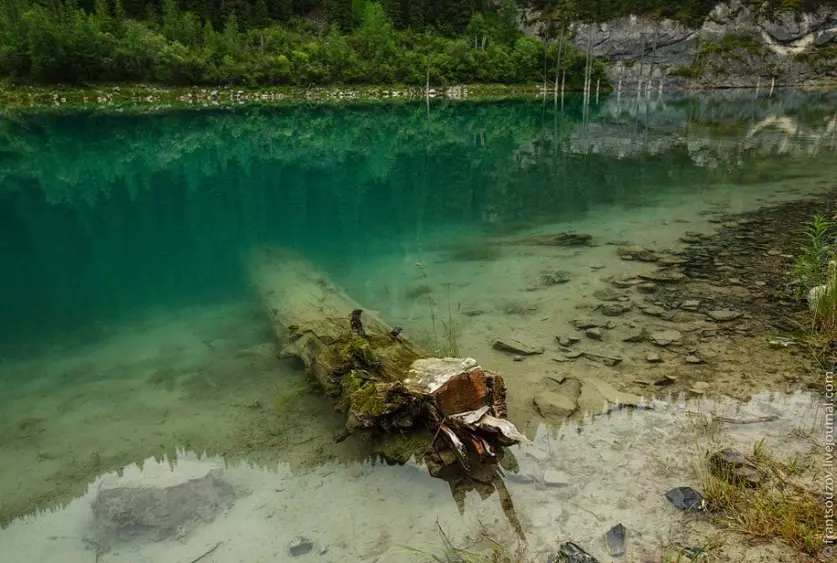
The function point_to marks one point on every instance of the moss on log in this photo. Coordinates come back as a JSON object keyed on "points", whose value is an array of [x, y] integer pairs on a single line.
{"points": [[434, 409]]}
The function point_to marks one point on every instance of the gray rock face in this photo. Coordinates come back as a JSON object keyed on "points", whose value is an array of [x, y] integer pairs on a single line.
{"points": [[642, 50], [158, 502]]}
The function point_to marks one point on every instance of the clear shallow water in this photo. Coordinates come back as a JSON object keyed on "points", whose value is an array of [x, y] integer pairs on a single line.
{"points": [[129, 331]]}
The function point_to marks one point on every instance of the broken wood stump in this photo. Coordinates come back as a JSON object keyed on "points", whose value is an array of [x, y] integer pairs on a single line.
{"points": [[439, 410]]}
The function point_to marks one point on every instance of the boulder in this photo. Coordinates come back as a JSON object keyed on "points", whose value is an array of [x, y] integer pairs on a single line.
{"points": [[158, 501]]}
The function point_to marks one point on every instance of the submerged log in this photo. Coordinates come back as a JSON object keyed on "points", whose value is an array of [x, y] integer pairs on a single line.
{"points": [[420, 405]]}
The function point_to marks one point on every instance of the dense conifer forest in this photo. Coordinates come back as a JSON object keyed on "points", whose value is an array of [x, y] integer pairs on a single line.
{"points": [[307, 42]]}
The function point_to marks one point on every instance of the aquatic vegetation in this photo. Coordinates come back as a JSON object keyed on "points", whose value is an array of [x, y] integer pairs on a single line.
{"points": [[447, 344], [496, 553]]}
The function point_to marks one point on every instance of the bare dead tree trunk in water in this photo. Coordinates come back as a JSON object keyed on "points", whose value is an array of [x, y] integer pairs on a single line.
{"points": [[653, 58], [641, 70], [545, 71], [415, 404], [558, 66]]}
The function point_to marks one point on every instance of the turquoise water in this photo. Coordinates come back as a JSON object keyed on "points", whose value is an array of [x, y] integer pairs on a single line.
{"points": [[103, 216], [128, 329]]}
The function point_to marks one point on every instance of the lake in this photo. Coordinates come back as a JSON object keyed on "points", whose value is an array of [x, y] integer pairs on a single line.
{"points": [[131, 339]]}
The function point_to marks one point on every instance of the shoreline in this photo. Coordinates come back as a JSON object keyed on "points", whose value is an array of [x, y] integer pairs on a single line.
{"points": [[119, 96]]}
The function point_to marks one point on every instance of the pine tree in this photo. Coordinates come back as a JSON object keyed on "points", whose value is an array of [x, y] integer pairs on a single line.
{"points": [[340, 13], [259, 16]]}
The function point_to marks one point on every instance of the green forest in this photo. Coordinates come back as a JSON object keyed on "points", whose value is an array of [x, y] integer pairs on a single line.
{"points": [[308, 42]]}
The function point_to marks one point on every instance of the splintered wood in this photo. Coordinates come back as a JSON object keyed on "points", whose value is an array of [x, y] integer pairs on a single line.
{"points": [[374, 372]]}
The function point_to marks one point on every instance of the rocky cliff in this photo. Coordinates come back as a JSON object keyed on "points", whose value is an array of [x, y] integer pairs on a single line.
{"points": [[736, 46]]}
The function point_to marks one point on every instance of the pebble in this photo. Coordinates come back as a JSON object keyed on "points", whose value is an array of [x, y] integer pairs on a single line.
{"points": [[653, 358]]}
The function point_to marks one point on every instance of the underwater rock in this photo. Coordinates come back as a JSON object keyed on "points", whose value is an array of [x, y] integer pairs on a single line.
{"points": [[595, 333], [515, 346], [636, 252], [616, 540], [557, 239], [665, 337], [664, 276], [555, 278], [646, 287], [690, 305], [653, 310], [554, 406], [636, 335], [571, 553], [598, 396], [686, 498], [567, 340], [158, 502], [609, 360], [615, 309], [694, 359], [734, 467], [585, 323], [670, 261], [699, 387], [653, 358], [625, 282], [607, 294], [723, 315], [299, 546]]}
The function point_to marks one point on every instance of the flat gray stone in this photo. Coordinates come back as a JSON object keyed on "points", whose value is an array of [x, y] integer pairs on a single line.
{"points": [[636, 335], [665, 337], [653, 310], [607, 294], [723, 315], [554, 406], [515, 346], [653, 358], [584, 323]]}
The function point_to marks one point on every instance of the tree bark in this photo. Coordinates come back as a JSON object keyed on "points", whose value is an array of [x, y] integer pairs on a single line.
{"points": [[441, 410]]}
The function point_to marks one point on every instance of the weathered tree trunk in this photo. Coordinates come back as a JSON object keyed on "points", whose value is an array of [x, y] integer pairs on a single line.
{"points": [[384, 381]]}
